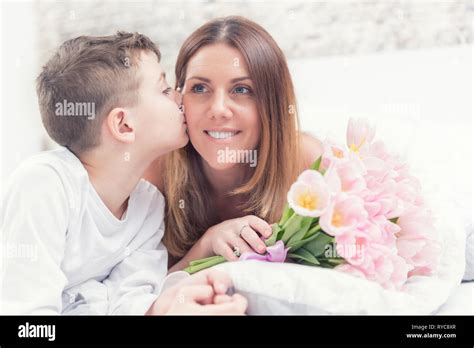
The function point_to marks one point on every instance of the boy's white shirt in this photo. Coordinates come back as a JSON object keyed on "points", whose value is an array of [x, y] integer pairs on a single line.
{"points": [[65, 252]]}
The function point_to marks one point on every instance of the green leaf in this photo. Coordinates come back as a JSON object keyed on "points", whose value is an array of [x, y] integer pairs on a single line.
{"points": [[300, 234], [305, 255], [280, 233], [313, 230], [336, 261], [306, 263], [326, 264], [316, 164], [298, 244], [292, 226], [318, 245]]}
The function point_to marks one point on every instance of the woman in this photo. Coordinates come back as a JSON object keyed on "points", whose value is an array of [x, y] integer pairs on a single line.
{"points": [[237, 96]]}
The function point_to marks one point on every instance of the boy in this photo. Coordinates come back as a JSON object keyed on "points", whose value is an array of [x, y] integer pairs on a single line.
{"points": [[93, 224]]}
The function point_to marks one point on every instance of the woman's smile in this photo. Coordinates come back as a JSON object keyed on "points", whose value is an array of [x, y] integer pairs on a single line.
{"points": [[221, 135]]}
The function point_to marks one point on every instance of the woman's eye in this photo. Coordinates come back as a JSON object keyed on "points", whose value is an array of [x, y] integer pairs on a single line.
{"points": [[242, 90], [167, 91], [198, 88]]}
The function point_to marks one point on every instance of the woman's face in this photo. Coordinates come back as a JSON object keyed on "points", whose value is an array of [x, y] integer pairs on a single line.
{"points": [[220, 106]]}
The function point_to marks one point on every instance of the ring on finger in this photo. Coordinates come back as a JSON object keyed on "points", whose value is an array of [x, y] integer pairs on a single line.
{"points": [[236, 251]]}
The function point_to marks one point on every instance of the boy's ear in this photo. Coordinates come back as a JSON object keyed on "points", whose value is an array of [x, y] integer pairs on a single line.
{"points": [[120, 123]]}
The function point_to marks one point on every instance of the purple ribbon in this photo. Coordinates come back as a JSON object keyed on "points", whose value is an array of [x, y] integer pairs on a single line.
{"points": [[275, 253]]}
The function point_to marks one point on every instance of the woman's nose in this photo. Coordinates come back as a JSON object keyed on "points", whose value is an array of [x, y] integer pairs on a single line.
{"points": [[220, 107]]}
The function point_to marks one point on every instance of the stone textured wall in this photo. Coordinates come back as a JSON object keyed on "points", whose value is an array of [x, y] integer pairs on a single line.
{"points": [[304, 29]]}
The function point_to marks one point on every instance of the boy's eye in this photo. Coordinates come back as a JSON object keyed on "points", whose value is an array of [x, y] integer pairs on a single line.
{"points": [[167, 91], [198, 88], [242, 90]]}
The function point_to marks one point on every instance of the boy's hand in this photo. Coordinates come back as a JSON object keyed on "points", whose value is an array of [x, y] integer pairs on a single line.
{"points": [[203, 293]]}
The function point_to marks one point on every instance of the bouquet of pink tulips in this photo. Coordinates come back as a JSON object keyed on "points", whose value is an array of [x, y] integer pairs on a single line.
{"points": [[358, 210]]}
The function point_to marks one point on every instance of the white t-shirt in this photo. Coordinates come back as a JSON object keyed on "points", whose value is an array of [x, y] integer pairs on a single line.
{"points": [[65, 252]]}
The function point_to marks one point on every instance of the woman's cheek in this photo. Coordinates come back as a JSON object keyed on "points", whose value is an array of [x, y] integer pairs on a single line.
{"points": [[253, 124], [189, 104], [193, 117]]}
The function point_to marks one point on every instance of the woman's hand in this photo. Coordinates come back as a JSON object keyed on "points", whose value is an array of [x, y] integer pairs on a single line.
{"points": [[229, 239], [236, 236]]}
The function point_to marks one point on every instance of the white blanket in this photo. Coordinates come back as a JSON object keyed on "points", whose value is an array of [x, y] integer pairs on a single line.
{"points": [[275, 288]]}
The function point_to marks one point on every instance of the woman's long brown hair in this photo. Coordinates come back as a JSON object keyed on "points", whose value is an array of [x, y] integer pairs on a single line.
{"points": [[190, 210]]}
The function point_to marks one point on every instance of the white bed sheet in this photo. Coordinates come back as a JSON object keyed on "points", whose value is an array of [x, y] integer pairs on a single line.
{"points": [[461, 301]]}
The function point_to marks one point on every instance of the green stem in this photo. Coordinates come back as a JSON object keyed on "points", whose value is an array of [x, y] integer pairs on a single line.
{"points": [[211, 261], [198, 262]]}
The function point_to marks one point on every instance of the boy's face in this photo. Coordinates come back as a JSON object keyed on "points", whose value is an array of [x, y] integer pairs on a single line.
{"points": [[160, 125]]}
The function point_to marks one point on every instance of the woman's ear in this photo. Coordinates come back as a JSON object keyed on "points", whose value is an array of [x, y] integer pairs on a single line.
{"points": [[121, 126]]}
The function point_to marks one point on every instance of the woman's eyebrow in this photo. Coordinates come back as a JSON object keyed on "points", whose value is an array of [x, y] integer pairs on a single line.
{"points": [[240, 79], [198, 78], [237, 79]]}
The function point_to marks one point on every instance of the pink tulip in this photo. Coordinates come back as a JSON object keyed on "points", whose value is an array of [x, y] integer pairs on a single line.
{"points": [[381, 265], [344, 213], [384, 195], [382, 231], [416, 240], [351, 174], [391, 271], [352, 246], [309, 195], [372, 205], [359, 134], [333, 154]]}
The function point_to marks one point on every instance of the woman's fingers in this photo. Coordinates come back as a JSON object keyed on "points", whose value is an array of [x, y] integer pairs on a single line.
{"points": [[251, 237], [259, 225], [248, 230], [225, 250], [241, 245]]}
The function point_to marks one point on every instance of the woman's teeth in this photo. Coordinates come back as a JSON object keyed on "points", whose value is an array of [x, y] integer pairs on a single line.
{"points": [[221, 135]]}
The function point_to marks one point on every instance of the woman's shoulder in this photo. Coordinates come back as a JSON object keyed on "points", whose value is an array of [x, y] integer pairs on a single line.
{"points": [[311, 149]]}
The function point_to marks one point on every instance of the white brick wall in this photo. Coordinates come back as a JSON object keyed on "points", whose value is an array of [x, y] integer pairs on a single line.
{"points": [[304, 29]]}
